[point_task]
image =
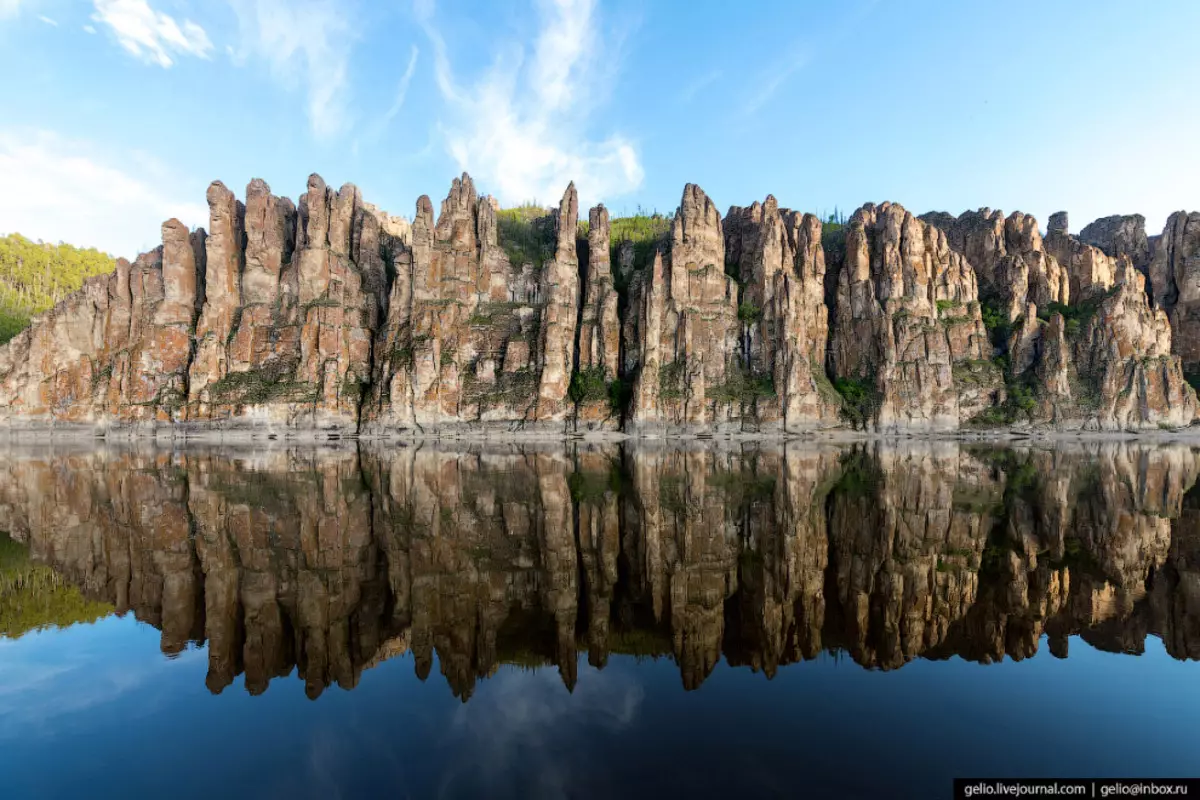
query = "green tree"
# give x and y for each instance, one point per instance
(34, 276)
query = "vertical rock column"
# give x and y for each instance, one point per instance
(688, 324)
(1175, 283)
(560, 314)
(599, 327)
(906, 313)
(222, 296)
(784, 320)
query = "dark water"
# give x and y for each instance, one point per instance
(809, 621)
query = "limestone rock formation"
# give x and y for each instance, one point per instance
(1009, 257)
(1175, 283)
(599, 327)
(472, 340)
(907, 312)
(1115, 370)
(1120, 235)
(1088, 268)
(331, 318)
(778, 256)
(687, 327)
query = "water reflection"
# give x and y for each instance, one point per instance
(332, 561)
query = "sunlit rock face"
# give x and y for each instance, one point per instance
(907, 312)
(687, 324)
(1010, 258)
(329, 318)
(328, 562)
(778, 257)
(474, 340)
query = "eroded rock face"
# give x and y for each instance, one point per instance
(1120, 235)
(599, 324)
(1009, 257)
(687, 327)
(778, 255)
(473, 341)
(1175, 282)
(330, 562)
(1115, 370)
(907, 311)
(1090, 271)
(330, 317)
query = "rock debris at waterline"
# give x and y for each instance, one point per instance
(332, 318)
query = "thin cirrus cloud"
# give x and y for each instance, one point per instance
(152, 36)
(521, 127)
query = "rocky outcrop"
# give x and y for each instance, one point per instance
(1110, 365)
(599, 327)
(1114, 369)
(472, 340)
(687, 324)
(1174, 283)
(778, 257)
(1088, 268)
(1009, 257)
(1121, 235)
(331, 318)
(907, 312)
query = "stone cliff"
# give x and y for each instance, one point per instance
(329, 317)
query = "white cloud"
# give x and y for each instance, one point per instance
(522, 129)
(150, 35)
(63, 189)
(315, 33)
(88, 29)
(9, 8)
(48, 21)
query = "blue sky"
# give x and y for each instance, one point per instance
(118, 113)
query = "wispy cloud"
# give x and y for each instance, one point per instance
(88, 29)
(523, 126)
(771, 82)
(695, 87)
(402, 92)
(48, 21)
(306, 41)
(67, 189)
(9, 8)
(152, 36)
(377, 129)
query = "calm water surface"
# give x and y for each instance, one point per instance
(570, 620)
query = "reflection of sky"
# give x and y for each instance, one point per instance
(98, 711)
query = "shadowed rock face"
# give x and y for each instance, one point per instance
(328, 318)
(332, 561)
(1173, 279)
(1121, 235)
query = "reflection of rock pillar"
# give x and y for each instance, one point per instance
(599, 538)
(560, 592)
(222, 610)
